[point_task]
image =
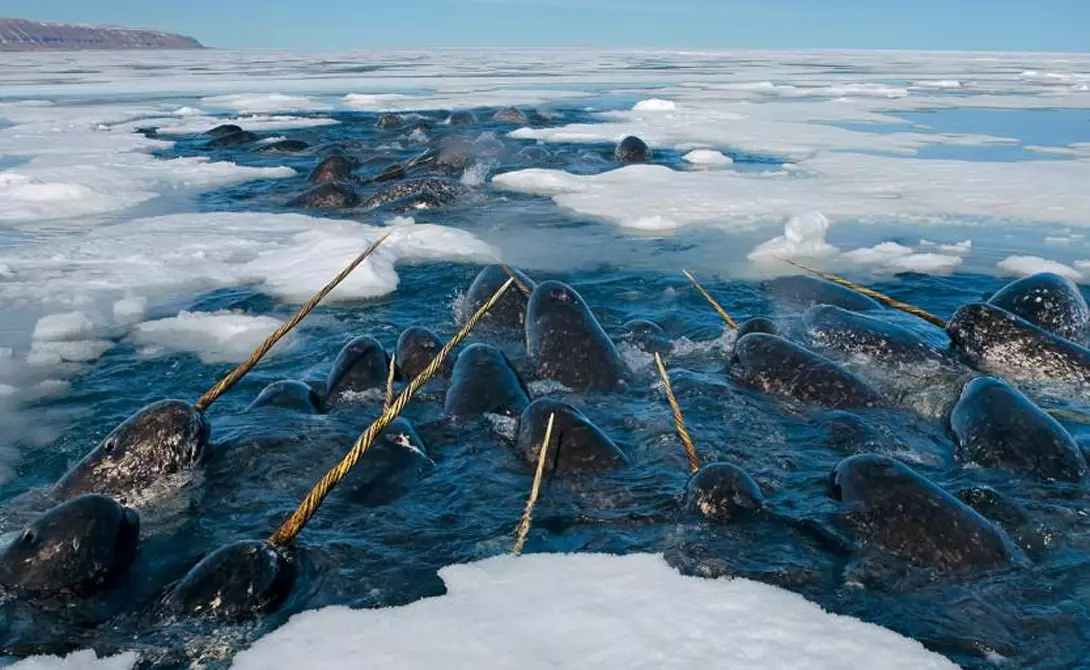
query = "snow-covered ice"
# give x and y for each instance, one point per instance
(216, 337)
(1027, 265)
(78, 660)
(587, 611)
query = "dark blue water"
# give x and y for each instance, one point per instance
(367, 552)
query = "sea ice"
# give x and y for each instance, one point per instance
(587, 611)
(216, 337)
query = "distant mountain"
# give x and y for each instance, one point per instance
(21, 35)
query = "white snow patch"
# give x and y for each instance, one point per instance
(1028, 265)
(654, 105)
(630, 611)
(263, 102)
(63, 327)
(216, 337)
(707, 157)
(803, 237)
(941, 84)
(373, 102)
(78, 660)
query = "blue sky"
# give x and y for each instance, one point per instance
(1035, 25)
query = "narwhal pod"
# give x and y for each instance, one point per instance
(236, 581)
(1002, 343)
(1048, 301)
(75, 548)
(165, 438)
(576, 444)
(906, 514)
(361, 365)
(567, 344)
(510, 310)
(781, 368)
(994, 425)
(831, 328)
(483, 381)
(804, 291)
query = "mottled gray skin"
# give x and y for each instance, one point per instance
(510, 115)
(757, 324)
(361, 365)
(334, 168)
(632, 150)
(836, 329)
(224, 130)
(237, 581)
(994, 425)
(908, 515)
(1004, 344)
(231, 140)
(510, 311)
(723, 493)
(646, 335)
(567, 344)
(288, 394)
(576, 444)
(455, 155)
(390, 121)
(165, 438)
(483, 381)
(74, 548)
(330, 195)
(804, 291)
(781, 368)
(462, 118)
(427, 193)
(1048, 301)
(286, 146)
(416, 347)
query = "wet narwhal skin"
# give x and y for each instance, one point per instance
(576, 444)
(781, 368)
(999, 342)
(390, 121)
(334, 168)
(231, 140)
(567, 344)
(396, 461)
(510, 115)
(239, 580)
(632, 150)
(461, 117)
(329, 195)
(911, 517)
(1050, 302)
(804, 291)
(483, 381)
(75, 548)
(288, 394)
(510, 310)
(362, 364)
(723, 493)
(428, 192)
(224, 130)
(758, 324)
(416, 347)
(647, 336)
(846, 332)
(286, 146)
(995, 425)
(165, 438)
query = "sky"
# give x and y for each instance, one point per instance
(993, 25)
